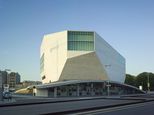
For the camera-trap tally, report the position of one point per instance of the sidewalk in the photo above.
(7, 101)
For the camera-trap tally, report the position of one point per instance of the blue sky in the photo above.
(128, 25)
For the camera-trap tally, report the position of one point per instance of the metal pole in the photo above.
(148, 84)
(108, 88)
(55, 92)
(108, 85)
(1, 87)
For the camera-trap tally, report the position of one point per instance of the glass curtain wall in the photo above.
(80, 41)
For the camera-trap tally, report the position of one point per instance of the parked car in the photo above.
(7, 95)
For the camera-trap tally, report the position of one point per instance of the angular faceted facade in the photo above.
(79, 55)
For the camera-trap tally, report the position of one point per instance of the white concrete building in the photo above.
(81, 63)
(79, 55)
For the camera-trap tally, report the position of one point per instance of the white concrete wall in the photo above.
(112, 61)
(54, 47)
(71, 54)
(42, 92)
(83, 67)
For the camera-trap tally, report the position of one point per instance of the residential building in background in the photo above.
(26, 84)
(30, 83)
(3, 81)
(13, 79)
(4, 75)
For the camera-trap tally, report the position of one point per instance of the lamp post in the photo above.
(1, 87)
(108, 83)
(108, 88)
(148, 82)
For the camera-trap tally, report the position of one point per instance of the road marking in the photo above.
(93, 112)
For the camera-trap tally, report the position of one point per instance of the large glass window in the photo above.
(82, 41)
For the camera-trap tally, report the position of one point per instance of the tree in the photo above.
(142, 79)
(130, 80)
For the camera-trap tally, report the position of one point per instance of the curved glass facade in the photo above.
(93, 89)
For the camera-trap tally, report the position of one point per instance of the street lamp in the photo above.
(148, 82)
(108, 88)
(108, 83)
(1, 87)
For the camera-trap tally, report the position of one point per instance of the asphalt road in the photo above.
(146, 108)
(60, 106)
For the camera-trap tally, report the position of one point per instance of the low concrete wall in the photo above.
(42, 92)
